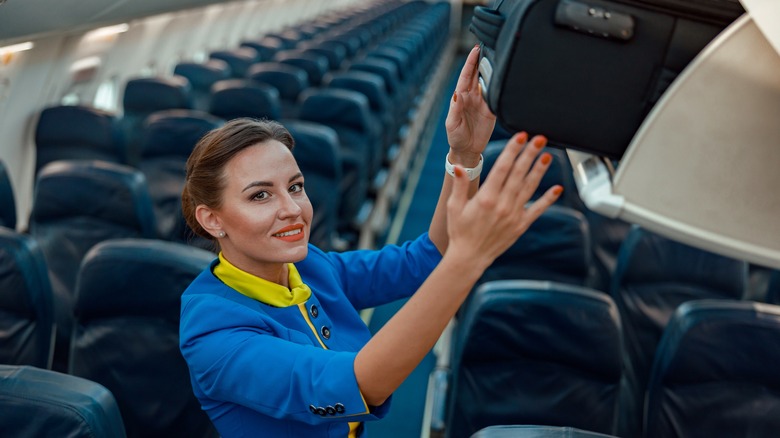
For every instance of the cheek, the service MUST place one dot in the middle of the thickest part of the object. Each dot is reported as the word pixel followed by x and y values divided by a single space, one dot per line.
pixel 307 209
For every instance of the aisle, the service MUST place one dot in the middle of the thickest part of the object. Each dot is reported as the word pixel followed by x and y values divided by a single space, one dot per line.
pixel 412 219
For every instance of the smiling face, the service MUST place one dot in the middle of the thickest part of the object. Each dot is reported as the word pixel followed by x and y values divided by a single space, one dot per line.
pixel 265 213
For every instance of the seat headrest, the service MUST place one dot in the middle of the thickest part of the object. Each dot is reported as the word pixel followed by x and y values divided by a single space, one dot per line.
pixel 383 67
pixel 203 75
pixel 316 147
pixel 316 65
pixel 245 98
pixel 158 93
pixel 97 189
pixel 335 106
pixel 175 132
pixel 369 84
pixel 647 257
pixel 239 59
pixel 335 53
pixel 147 278
pixel 265 49
pixel 288 79
pixel 7 199
pixel 77 126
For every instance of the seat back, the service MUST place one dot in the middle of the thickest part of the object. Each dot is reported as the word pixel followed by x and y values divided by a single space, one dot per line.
pixel 315 64
pixel 78 133
pixel 202 76
pixel 7 199
pixel 289 80
pixel 239 59
pixel 715 372
pixel 266 48
pixel 126 335
pixel 46 404
pixel 235 98
pixel 26 309
pixel 529 352
pixel 144 96
pixel 654 275
pixel 77 204
pixel 531 431
pixel 168 140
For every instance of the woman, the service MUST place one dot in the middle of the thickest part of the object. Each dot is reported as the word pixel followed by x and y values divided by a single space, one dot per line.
pixel 271 330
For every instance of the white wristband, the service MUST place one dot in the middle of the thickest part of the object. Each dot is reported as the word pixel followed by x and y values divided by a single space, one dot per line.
pixel 472 173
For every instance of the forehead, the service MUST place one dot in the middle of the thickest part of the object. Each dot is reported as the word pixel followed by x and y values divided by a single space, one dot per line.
pixel 262 161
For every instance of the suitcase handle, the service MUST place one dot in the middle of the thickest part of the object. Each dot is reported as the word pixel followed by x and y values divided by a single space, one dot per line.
pixel 486 25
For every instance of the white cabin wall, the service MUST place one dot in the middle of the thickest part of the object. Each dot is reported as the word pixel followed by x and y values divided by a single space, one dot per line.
pixel 35 79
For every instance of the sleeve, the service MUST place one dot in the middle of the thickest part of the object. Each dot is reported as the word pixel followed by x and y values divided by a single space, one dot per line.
pixel 374 277
pixel 233 357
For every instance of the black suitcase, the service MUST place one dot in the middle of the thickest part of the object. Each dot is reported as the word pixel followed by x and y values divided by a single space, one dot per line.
pixel 585 73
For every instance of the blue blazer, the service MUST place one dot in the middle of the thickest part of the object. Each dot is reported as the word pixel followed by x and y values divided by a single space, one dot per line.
pixel 259 370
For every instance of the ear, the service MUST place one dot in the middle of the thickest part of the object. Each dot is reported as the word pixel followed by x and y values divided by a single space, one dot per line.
pixel 208 219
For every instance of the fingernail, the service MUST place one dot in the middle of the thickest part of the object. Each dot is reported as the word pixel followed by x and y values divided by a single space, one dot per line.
pixel 546 158
pixel 476 46
pixel 458 171
pixel 557 190
pixel 521 137
pixel 539 141
pixel 454 97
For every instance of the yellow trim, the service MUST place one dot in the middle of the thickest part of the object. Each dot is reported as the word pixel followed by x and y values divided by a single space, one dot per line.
pixel 353 429
pixel 302 308
pixel 261 289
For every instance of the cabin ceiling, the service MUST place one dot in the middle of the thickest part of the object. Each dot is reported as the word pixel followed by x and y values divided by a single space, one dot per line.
pixel 21 19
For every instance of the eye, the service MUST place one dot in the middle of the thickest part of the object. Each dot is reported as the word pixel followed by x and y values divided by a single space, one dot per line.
pixel 261 195
pixel 297 187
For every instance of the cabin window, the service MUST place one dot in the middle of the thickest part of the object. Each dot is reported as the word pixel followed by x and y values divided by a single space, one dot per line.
pixel 106 96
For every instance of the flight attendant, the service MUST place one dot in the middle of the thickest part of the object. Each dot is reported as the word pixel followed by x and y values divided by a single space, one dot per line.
pixel 271 330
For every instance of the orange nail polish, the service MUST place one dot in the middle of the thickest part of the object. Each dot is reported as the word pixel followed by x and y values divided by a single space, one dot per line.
pixel 539 141
pixel 458 171
pixel 521 137
pixel 546 158
pixel 454 97
pixel 557 190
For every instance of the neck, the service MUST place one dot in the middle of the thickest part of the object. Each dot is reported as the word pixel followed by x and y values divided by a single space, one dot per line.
pixel 276 273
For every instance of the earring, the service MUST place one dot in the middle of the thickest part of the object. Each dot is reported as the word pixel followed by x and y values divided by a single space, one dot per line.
pixel 221 234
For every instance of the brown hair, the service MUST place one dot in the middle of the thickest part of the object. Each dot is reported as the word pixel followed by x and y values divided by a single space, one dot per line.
pixel 205 179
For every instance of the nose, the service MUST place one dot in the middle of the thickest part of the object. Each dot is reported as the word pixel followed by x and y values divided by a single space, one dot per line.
pixel 289 207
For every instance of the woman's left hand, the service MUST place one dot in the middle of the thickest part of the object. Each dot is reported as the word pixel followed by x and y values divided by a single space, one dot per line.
pixel 469 121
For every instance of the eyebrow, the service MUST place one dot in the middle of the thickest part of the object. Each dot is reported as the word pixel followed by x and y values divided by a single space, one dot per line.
pixel 269 184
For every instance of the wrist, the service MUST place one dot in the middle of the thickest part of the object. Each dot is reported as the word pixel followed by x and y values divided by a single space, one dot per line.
pixel 468 267
pixel 471 172
pixel 464 159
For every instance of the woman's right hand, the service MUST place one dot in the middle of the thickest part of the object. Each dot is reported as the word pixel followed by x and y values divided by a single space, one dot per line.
pixel 483 227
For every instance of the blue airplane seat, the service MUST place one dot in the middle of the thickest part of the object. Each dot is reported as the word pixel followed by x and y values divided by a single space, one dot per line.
pixel 316 65
pixel 531 352
pixel 26 309
pixel 533 431
pixel 373 87
pixel 239 59
pixel 402 60
pixel 351 44
pixel 289 80
pixel 715 372
pixel 143 96
pixel 46 404
pixel 266 48
pixel 773 288
pixel 168 140
pixel 290 38
pixel 348 113
pixel 653 276
pixel 319 158
pixel 234 98
pixel 389 72
pixel 202 76
pixel 126 335
pixel 77 204
pixel 78 133
pixel 7 199
pixel 554 248
pixel 334 52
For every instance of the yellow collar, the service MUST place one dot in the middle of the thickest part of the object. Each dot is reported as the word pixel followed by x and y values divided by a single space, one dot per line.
pixel 262 290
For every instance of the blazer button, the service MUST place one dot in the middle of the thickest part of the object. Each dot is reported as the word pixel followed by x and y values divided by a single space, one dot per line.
pixel 325 332
pixel 339 408
pixel 331 410
pixel 313 409
pixel 314 310
pixel 322 412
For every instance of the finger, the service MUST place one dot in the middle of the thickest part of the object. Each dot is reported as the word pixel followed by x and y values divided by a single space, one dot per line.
pixel 534 177
pixel 517 178
pixel 455 113
pixel 542 204
pixel 468 74
pixel 460 189
pixel 498 173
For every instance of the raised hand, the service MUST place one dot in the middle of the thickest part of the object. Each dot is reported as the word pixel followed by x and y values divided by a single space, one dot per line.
pixel 484 226
pixel 469 120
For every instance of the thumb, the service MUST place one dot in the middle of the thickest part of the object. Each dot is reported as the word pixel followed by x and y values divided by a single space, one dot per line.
pixel 460 189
